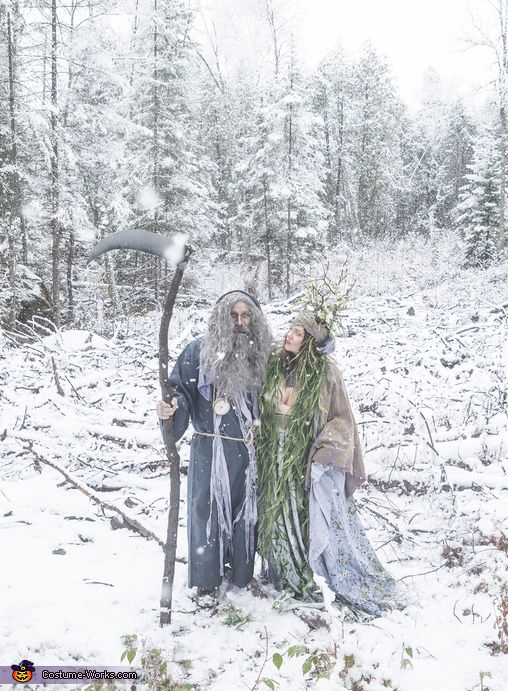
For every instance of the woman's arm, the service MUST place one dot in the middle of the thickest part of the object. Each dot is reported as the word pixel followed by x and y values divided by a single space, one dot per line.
pixel 337 444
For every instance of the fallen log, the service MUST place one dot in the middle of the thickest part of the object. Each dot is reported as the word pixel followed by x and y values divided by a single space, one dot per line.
pixel 407 482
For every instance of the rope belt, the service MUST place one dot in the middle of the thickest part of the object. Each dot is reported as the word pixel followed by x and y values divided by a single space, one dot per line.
pixel 249 438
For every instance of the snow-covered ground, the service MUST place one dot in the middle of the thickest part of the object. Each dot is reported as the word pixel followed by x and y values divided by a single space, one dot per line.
pixel 425 358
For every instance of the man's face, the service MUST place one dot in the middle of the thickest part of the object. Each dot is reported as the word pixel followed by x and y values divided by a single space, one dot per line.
pixel 240 314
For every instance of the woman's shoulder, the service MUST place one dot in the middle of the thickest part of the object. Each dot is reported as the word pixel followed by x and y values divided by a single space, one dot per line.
pixel 332 370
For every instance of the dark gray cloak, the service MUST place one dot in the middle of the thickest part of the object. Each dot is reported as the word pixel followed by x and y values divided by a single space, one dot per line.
pixel 195 404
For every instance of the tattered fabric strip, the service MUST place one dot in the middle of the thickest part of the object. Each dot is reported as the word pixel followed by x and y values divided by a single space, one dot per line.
pixel 249 510
pixel 219 477
pixel 220 492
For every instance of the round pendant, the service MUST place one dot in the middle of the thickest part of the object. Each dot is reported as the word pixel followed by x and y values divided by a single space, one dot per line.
pixel 221 406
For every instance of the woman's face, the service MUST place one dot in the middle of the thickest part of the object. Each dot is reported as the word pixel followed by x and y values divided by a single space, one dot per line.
pixel 294 338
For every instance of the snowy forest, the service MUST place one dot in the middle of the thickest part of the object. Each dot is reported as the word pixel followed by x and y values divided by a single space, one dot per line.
pixel 143 123
pixel 147 114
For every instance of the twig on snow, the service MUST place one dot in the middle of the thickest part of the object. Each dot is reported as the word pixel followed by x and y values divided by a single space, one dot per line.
pixel 424 573
pixel 431 444
pixel 77 394
pixel 252 688
pixel 59 389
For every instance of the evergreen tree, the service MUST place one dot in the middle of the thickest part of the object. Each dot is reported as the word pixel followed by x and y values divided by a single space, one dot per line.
pixel 454 152
pixel 375 136
pixel 331 100
pixel 478 213
pixel 282 180
pixel 222 123
pixel 96 127
pixel 12 172
pixel 164 152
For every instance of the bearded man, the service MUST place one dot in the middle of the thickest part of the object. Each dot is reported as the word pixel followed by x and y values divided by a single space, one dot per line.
pixel 216 381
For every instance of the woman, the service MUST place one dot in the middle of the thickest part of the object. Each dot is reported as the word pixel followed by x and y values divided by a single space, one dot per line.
pixel 310 463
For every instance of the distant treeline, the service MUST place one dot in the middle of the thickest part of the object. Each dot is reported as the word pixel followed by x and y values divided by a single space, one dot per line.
pixel 102 130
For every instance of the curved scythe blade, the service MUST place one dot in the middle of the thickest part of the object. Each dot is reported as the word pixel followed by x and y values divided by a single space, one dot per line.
pixel 142 240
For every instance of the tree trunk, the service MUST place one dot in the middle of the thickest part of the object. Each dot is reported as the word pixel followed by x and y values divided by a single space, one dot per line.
pixel 71 240
pixel 70 72
pixel 12 278
pixel 70 280
pixel 328 157
pixel 503 69
pixel 502 180
pixel 109 268
pixel 156 144
pixel 132 49
pixel 44 68
pixel 267 239
pixel 338 177
pixel 54 194
pixel 270 15
pixel 289 247
pixel 17 210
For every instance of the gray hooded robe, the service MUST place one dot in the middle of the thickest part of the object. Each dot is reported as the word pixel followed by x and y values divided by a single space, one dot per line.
pixel 194 394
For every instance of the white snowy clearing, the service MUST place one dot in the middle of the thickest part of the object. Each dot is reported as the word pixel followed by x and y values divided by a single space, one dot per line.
pixel 425 359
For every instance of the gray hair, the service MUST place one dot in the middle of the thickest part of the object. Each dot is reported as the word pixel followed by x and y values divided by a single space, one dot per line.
pixel 236 360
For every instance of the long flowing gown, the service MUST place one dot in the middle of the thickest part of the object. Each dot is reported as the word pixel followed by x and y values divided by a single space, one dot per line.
pixel 320 532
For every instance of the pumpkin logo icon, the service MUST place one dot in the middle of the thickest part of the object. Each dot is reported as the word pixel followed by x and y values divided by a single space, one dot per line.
pixel 23 672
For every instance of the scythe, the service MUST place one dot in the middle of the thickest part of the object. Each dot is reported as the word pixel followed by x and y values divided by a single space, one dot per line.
pixel 161 246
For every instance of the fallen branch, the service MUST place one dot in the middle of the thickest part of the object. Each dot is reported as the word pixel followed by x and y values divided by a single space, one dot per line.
pixel 431 443
pixel 456 479
pixel 382 519
pixel 126 441
pixel 129 520
pixel 423 573
pixel 73 388
pixel 404 486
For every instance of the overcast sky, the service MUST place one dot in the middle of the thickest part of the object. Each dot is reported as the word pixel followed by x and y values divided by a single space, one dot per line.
pixel 414 35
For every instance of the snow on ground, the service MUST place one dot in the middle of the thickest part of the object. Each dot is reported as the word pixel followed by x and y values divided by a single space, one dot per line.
pixel 426 366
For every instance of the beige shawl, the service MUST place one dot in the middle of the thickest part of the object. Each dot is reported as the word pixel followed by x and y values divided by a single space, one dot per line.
pixel 337 443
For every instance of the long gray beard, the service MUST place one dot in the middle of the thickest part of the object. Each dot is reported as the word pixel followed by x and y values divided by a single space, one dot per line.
pixel 237 369
pixel 236 361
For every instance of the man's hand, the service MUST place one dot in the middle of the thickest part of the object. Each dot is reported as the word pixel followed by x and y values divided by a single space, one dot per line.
pixel 166 410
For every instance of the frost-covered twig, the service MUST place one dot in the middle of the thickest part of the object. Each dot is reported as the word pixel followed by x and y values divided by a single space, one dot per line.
pixel 252 688
pixel 59 389
pixel 431 444
pixel 423 573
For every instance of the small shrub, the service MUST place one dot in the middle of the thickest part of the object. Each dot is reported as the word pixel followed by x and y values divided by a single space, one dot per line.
pixel 454 556
pixel 406 659
pixel 500 543
pixel 481 587
pixel 488 455
pixel 349 662
pixel 501 621
pixel 234 617
pixel 154 668
pixel 156 674
pixel 130 642
pixel 482 677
